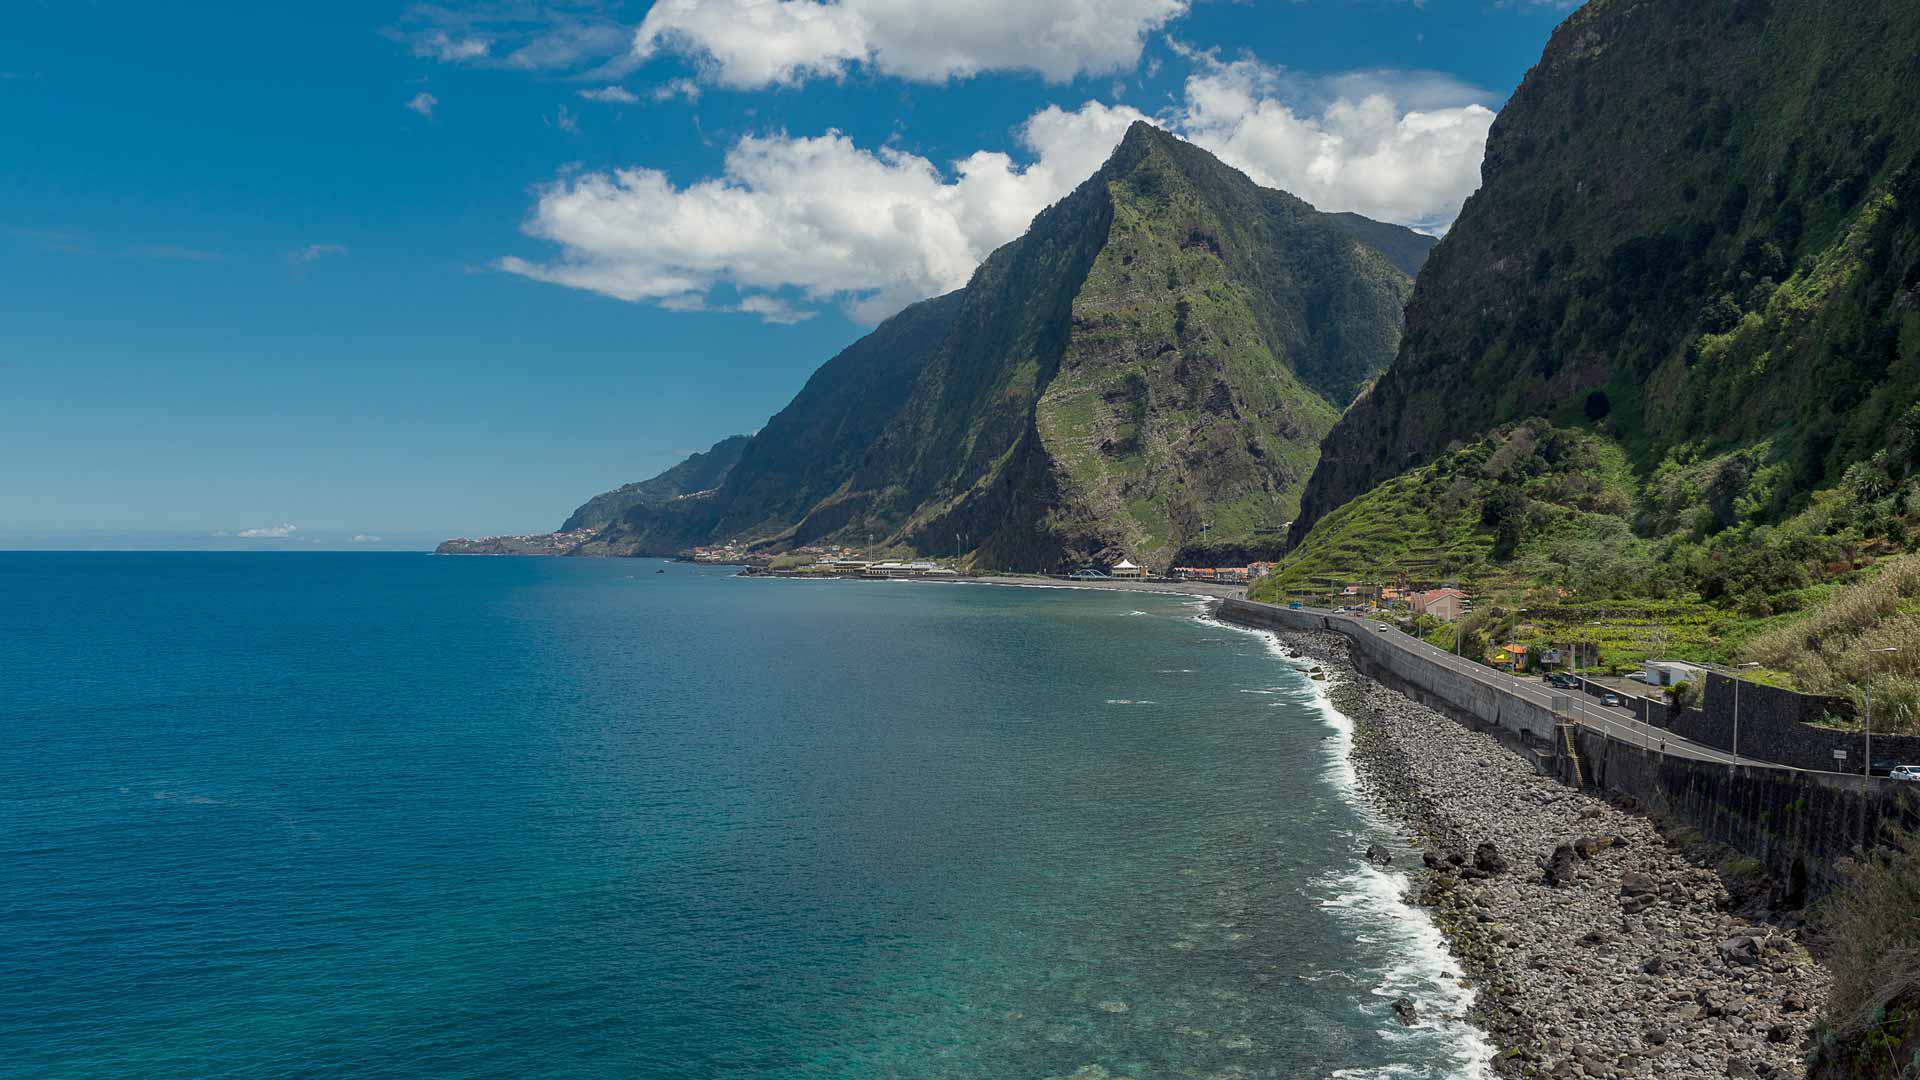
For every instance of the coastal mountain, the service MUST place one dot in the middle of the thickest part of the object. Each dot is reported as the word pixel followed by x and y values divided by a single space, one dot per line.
pixel 1660 384
pixel 701 472
pixel 1147 374
pixel 1698 235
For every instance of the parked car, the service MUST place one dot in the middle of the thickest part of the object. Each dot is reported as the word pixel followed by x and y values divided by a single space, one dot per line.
pixel 1382 627
pixel 1905 772
pixel 1611 700
pixel 1637 676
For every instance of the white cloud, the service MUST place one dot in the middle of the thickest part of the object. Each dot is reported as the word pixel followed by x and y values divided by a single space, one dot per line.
pixel 423 104
pixel 524 35
pixel 566 120
pixel 270 532
pixel 752 43
pixel 1397 147
pixel 363 538
pixel 875 230
pixel 316 252
pixel 442 46
pixel 685 88
pixel 794 222
pixel 613 95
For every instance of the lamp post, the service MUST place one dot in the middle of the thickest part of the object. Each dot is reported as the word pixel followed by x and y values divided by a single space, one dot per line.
pixel 1866 767
pixel 1736 715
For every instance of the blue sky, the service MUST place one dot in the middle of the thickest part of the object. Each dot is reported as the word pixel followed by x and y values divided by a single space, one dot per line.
pixel 357 270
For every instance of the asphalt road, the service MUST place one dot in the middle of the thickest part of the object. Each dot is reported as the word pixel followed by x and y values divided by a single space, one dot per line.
pixel 1619 723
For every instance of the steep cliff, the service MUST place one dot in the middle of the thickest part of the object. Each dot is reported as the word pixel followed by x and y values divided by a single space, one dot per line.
pixel 1698 233
pixel 1147 372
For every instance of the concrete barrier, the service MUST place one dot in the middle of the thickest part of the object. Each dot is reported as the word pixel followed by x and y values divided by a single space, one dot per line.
pixel 1389 658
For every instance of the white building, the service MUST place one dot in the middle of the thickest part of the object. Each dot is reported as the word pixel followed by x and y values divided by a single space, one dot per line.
pixel 1673 673
pixel 1125 569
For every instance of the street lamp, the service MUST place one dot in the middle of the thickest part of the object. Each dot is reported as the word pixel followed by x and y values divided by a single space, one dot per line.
pixel 1736 714
pixel 1866 767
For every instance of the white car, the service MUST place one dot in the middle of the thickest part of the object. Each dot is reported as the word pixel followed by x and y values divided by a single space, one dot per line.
pixel 1905 772
pixel 1382 627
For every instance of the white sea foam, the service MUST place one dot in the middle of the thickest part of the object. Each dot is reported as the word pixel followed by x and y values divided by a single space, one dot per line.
pixel 1372 901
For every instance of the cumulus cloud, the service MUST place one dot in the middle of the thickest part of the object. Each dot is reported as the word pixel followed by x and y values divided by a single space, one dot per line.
pixel 794 222
pixel 316 252
pixel 818 216
pixel 269 532
pixel 1402 148
pixel 612 95
pixel 423 104
pixel 753 43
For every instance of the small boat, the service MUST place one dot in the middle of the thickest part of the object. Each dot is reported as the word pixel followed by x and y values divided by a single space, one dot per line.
pixel 659 571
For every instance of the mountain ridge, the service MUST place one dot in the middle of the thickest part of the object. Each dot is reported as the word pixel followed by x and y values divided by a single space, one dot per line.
pixel 1145 372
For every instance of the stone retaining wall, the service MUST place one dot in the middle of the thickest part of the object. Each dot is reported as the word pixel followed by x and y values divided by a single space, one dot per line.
pixel 1797 824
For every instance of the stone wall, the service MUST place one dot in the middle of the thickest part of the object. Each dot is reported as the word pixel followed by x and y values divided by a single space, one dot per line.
pixel 1797 824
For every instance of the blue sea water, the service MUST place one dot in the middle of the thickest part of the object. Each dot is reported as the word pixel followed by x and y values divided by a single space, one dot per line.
pixel 275 815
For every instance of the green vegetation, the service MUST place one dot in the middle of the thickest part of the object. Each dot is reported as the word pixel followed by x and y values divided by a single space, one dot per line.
pixel 1842 647
pixel 699 472
pixel 1870 1026
pixel 1697 244
pixel 1147 374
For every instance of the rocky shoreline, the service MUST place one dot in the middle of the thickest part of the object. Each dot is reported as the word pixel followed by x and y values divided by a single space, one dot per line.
pixel 1598 946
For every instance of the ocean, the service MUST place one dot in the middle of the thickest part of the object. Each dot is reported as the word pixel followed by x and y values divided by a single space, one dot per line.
pixel 391 815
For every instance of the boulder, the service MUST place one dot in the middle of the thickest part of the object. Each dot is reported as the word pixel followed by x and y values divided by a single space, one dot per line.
pixel 1589 846
pixel 1379 856
pixel 1740 949
pixel 1407 1011
pixel 1560 865
pixel 1635 883
pixel 1487 859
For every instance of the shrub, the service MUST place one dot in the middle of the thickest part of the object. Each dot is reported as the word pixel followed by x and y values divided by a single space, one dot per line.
pixel 1873 920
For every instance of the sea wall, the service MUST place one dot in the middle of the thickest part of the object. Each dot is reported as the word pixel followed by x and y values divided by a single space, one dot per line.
pixel 1379 657
pixel 1775 725
pixel 1797 824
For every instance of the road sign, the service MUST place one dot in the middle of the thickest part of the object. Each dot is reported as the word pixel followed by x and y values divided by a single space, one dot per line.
pixel 1839 755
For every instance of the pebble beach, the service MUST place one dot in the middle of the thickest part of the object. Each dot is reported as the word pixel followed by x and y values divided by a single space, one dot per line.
pixel 1598 947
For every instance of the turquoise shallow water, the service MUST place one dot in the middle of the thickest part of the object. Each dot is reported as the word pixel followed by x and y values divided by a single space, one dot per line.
pixel 405 816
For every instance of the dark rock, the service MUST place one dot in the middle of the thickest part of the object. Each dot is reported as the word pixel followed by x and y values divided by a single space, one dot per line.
pixel 1432 860
pixel 1454 858
pixel 1407 1011
pixel 1654 966
pixel 1780 1033
pixel 1635 883
pixel 1487 859
pixel 1560 865
pixel 1740 949
pixel 1589 846
pixel 1379 856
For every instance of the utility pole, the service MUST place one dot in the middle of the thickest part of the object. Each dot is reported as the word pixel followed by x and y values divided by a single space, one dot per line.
pixel 1736 716
pixel 1866 767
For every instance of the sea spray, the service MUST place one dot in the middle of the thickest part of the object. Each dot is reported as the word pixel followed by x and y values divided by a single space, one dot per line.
pixel 1372 901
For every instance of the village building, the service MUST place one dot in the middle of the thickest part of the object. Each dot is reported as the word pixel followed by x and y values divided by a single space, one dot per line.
pixel 1443 604
pixel 1126 569
pixel 1674 672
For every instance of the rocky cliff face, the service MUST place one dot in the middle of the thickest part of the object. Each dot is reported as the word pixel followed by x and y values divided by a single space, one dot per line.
pixel 1147 372
pixel 701 472
pixel 1698 232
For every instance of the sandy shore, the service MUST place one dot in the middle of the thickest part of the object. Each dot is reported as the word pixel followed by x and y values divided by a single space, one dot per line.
pixel 1597 948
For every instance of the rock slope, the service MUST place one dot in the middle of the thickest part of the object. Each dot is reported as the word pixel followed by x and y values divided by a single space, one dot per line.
pixel 1147 373
pixel 1599 951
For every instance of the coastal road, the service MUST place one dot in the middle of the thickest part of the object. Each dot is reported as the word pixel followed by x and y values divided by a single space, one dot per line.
pixel 1617 722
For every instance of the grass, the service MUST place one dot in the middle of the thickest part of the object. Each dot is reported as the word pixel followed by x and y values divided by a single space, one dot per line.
pixel 1843 646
